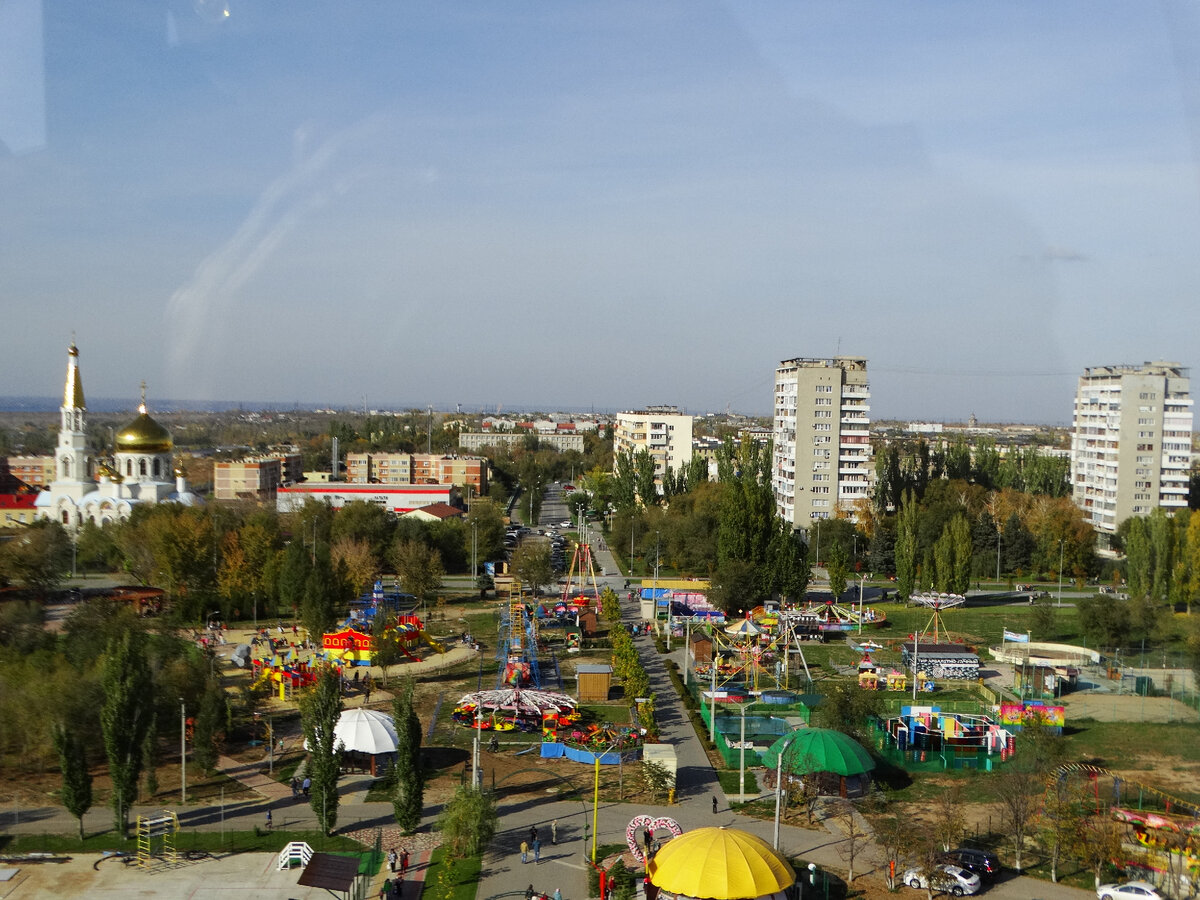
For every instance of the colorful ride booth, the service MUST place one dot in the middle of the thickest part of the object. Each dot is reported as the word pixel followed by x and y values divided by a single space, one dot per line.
pixel 514 709
pixel 927 737
pixel 353 647
pixel 718 864
pixel 840 764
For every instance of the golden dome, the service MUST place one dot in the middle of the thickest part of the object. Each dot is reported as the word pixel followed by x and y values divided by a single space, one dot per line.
pixel 144 435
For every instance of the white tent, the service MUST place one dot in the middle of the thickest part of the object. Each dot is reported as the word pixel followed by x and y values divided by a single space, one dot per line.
pixel 744 628
pixel 366 731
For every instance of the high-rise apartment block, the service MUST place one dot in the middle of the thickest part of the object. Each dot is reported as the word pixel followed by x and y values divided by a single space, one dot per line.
pixel 822 456
pixel 1131 444
pixel 662 430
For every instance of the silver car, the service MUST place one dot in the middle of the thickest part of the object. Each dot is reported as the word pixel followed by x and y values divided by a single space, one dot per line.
pixel 947 878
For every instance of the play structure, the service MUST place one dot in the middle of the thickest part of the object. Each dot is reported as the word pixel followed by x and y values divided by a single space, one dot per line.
pixel 519 646
pixel 872 678
pixel 580 573
pixel 286 674
pixel 388 599
pixel 354 647
pixel 1163 834
pixel 958 740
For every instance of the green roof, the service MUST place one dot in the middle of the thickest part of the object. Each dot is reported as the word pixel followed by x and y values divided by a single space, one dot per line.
pixel 819 750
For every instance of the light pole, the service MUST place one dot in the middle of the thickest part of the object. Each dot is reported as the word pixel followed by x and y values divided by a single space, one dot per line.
pixel 654 592
pixel 861 581
pixel 596 795
pixel 1060 565
pixel 182 752
pixel 632 530
pixel 474 548
pixel 779 781
pixel 997 556
pixel 818 559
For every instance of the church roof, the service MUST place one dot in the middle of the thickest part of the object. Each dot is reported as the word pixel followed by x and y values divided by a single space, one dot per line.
pixel 73 389
pixel 144 435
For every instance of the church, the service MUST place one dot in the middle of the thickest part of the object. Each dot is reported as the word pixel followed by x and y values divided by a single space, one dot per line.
pixel 103 490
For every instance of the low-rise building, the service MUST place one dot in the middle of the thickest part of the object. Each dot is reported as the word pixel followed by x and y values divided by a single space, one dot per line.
pixel 36 471
pixel 475 441
pixel 396 498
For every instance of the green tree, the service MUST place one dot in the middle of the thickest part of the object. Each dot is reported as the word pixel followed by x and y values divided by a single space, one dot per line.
pixel 643 478
pixel 324 595
pixel 211 725
pixel 906 549
pixel 788 566
pixel 368 523
pixel 320 709
pixel 531 564
pixel 838 566
pixel 408 797
pixel 485 525
pixel 76 791
pixel 961 552
pixel 849 709
pixel 468 822
pixel 39 557
pixel 419 567
pixel 126 717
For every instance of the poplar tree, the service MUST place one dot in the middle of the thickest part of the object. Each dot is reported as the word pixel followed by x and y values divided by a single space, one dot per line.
pixel 408 798
pixel 76 779
pixel 906 548
pixel 126 718
pixel 320 709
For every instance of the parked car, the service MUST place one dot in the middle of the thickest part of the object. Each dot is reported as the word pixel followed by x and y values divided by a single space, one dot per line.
pixel 981 862
pixel 948 878
pixel 1130 890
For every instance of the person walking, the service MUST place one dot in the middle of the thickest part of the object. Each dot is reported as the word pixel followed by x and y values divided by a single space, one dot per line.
pixel 524 851
pixel 714 804
pixel 392 860
pixel 537 851
pixel 268 820
pixel 385 889
pixel 295 787
pixel 558 894
pixel 306 787
pixel 554 832
pixel 404 861
pixel 532 833
pixel 529 892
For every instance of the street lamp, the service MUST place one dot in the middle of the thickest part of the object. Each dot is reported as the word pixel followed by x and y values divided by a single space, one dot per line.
pixel 182 752
pixel 596 795
pixel 779 781
pixel 861 581
pixel 474 548
pixel 997 557
pixel 270 742
pixel 1060 565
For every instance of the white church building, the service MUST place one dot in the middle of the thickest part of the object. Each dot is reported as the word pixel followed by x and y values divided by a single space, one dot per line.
pixel 88 489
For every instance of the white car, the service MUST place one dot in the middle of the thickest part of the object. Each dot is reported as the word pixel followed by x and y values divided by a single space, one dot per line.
pixel 1130 890
pixel 950 879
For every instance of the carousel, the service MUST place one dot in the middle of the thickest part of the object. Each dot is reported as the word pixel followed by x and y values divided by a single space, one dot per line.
pixel 511 709
pixel 719 864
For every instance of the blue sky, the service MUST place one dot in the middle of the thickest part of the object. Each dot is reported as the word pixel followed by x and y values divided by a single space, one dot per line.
pixel 574 205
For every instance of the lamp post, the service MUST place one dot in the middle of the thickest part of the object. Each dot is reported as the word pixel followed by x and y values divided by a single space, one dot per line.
pixel 596 795
pixel 779 782
pixel 182 752
pixel 476 774
pixel 818 558
pixel 270 742
pixel 474 548
pixel 997 556
pixel 1060 565
pixel 861 581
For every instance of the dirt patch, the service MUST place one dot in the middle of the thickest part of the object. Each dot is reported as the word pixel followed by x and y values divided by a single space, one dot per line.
pixel 1126 708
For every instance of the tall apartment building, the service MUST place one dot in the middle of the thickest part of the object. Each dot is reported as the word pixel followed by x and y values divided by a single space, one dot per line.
pixel 1131 443
pixel 662 430
pixel 822 456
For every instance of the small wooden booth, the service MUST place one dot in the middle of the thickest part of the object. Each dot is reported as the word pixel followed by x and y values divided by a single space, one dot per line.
pixel 595 680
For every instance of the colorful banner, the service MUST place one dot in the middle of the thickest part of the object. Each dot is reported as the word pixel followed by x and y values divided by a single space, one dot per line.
pixel 1015 714
pixel 1015 638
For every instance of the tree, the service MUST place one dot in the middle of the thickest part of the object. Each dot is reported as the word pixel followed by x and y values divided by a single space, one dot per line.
pixel 893 837
pixel 849 709
pixel 39 557
pixel 419 567
pixel 1020 797
pixel 857 837
pixel 485 525
pixel 76 778
pixel 1096 841
pixel 1059 822
pixel 1043 618
pixel 468 821
pixel 320 709
pixel 324 595
pixel 359 562
pixel 838 567
pixel 531 564
pixel 409 790
pixel 211 725
pixel 788 566
pixel 906 548
pixel 126 717
pixel 643 478
pixel 949 820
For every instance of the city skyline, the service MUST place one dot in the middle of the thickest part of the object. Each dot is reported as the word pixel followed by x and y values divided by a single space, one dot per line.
pixel 598 206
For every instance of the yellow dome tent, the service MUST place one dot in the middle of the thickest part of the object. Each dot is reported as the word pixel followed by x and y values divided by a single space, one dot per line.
pixel 720 864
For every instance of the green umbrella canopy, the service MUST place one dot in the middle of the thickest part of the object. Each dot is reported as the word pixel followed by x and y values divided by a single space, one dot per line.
pixel 819 750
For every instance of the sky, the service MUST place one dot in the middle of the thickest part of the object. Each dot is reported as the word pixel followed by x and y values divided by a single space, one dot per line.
pixel 597 205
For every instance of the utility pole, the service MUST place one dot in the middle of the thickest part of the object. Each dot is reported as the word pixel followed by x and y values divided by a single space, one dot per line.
pixel 182 752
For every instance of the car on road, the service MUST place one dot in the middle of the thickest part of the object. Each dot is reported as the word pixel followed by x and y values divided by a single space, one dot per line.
pixel 981 862
pixel 946 877
pixel 1130 890
pixel 566 524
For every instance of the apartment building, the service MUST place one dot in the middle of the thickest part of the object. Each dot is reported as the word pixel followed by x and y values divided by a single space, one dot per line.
pixel 249 479
pixel 822 456
pixel 475 441
pixel 418 468
pixel 1131 442
pixel 662 430
pixel 37 471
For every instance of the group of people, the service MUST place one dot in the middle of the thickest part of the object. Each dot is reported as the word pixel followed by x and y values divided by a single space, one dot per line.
pixel 534 846
pixel 301 787
pixel 531 894
pixel 393 885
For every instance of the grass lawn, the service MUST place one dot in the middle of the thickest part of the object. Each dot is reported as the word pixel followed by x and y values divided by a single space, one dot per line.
pixel 730 780
pixel 464 876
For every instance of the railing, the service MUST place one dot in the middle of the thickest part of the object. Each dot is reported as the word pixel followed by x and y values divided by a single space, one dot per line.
pixel 295 851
